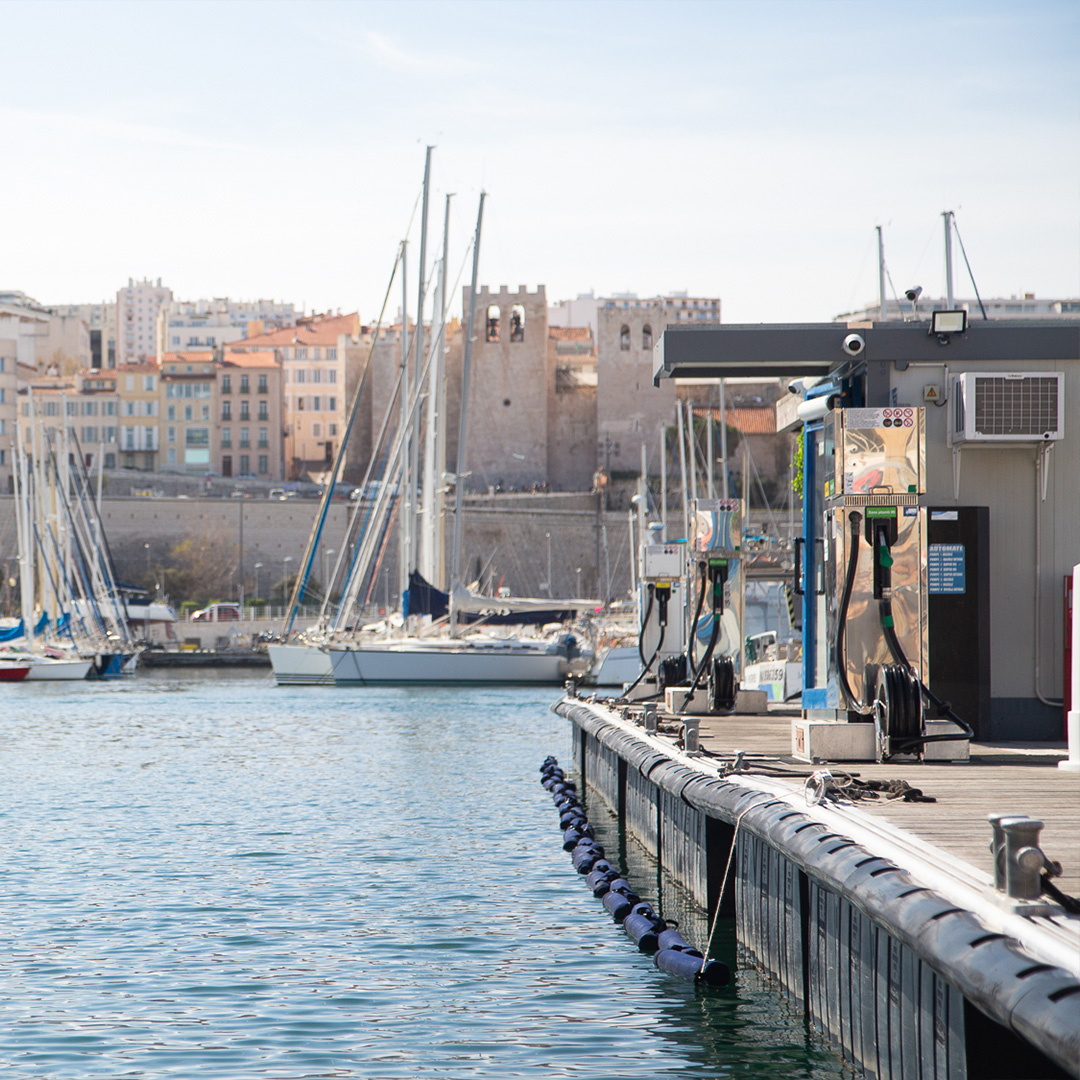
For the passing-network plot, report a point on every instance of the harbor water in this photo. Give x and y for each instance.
(206, 875)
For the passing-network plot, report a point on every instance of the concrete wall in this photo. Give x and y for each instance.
(1004, 478)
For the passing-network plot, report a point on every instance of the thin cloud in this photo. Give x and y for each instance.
(106, 127)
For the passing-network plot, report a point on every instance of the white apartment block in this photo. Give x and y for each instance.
(1027, 306)
(137, 309)
(100, 321)
(679, 307)
(209, 324)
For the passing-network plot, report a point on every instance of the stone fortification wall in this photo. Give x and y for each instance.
(506, 536)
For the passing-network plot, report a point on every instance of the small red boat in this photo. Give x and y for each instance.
(13, 670)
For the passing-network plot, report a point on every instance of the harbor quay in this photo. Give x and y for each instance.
(868, 894)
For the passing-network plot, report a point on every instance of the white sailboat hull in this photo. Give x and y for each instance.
(300, 665)
(46, 668)
(449, 662)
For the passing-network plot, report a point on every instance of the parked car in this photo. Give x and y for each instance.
(217, 613)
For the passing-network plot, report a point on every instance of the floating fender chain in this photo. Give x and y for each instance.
(642, 925)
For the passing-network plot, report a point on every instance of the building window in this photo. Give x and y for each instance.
(316, 429)
(646, 337)
(226, 410)
(331, 429)
(226, 436)
(517, 323)
(197, 436)
(492, 325)
(170, 412)
(226, 384)
(316, 404)
(264, 464)
(245, 410)
(263, 389)
(624, 338)
(172, 434)
(110, 460)
(245, 464)
(264, 412)
(244, 388)
(300, 404)
(331, 404)
(316, 375)
(331, 354)
(188, 414)
(245, 438)
(148, 383)
(264, 437)
(300, 375)
(301, 354)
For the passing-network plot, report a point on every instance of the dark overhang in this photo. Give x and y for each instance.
(792, 350)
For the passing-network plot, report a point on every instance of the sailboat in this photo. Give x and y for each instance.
(434, 647)
(63, 568)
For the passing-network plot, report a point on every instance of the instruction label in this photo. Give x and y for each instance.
(946, 568)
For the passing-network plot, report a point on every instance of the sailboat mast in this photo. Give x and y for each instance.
(459, 469)
(412, 472)
(948, 216)
(403, 529)
(431, 561)
(881, 274)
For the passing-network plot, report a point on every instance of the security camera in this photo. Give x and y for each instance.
(913, 294)
(854, 344)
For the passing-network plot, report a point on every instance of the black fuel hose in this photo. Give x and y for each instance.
(944, 708)
(718, 610)
(693, 625)
(644, 625)
(646, 665)
(855, 519)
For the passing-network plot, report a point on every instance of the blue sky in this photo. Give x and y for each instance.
(745, 150)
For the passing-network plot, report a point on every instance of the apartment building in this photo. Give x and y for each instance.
(137, 308)
(138, 390)
(189, 394)
(312, 356)
(208, 324)
(250, 429)
(97, 420)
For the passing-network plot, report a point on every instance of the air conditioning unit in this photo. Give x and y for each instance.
(989, 407)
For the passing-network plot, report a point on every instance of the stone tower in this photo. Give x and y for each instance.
(507, 441)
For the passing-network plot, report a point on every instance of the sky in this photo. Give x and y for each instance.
(740, 150)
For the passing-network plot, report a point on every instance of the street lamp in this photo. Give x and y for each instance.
(578, 582)
(285, 590)
(258, 567)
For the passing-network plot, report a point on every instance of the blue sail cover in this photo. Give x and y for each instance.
(424, 599)
(42, 623)
(63, 623)
(16, 631)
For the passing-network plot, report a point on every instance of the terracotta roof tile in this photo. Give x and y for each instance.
(253, 359)
(570, 333)
(760, 420)
(308, 332)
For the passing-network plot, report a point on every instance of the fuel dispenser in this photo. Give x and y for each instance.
(714, 582)
(661, 620)
(865, 576)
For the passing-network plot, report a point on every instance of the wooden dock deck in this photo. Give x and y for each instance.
(999, 778)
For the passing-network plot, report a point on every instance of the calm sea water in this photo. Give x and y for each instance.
(209, 876)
